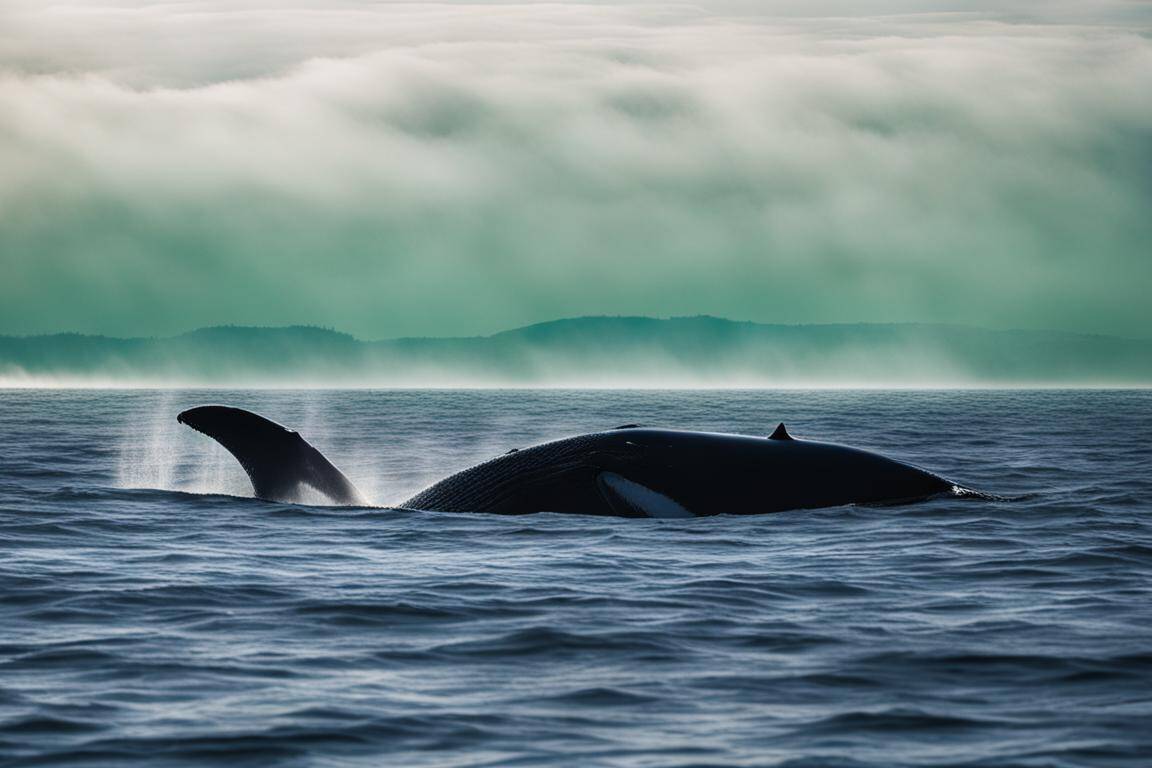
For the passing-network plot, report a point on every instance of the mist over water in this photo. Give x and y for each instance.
(153, 614)
(600, 352)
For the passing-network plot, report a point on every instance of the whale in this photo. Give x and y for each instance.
(626, 471)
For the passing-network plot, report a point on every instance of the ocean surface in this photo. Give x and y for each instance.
(152, 613)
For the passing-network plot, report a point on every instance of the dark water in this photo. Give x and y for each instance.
(144, 624)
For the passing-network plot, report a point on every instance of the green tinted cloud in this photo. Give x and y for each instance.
(458, 170)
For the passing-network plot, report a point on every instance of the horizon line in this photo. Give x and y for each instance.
(574, 318)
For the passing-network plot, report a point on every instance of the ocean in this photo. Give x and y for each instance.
(153, 613)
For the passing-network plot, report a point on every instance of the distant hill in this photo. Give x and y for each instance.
(589, 351)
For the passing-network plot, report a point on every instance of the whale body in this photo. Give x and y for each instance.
(628, 471)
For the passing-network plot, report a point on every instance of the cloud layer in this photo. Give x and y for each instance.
(397, 169)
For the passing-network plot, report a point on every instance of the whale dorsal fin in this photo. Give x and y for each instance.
(780, 433)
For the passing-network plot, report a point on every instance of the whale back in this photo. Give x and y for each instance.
(672, 473)
(557, 476)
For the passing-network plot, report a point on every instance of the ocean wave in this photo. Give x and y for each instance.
(181, 622)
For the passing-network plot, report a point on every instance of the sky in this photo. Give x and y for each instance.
(408, 168)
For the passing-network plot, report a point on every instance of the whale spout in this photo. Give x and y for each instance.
(278, 460)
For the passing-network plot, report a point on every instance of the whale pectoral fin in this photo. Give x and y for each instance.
(277, 460)
(632, 499)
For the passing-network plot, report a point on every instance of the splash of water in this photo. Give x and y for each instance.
(156, 453)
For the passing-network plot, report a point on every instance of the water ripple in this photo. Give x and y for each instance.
(151, 613)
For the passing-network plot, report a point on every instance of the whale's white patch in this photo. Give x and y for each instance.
(642, 498)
